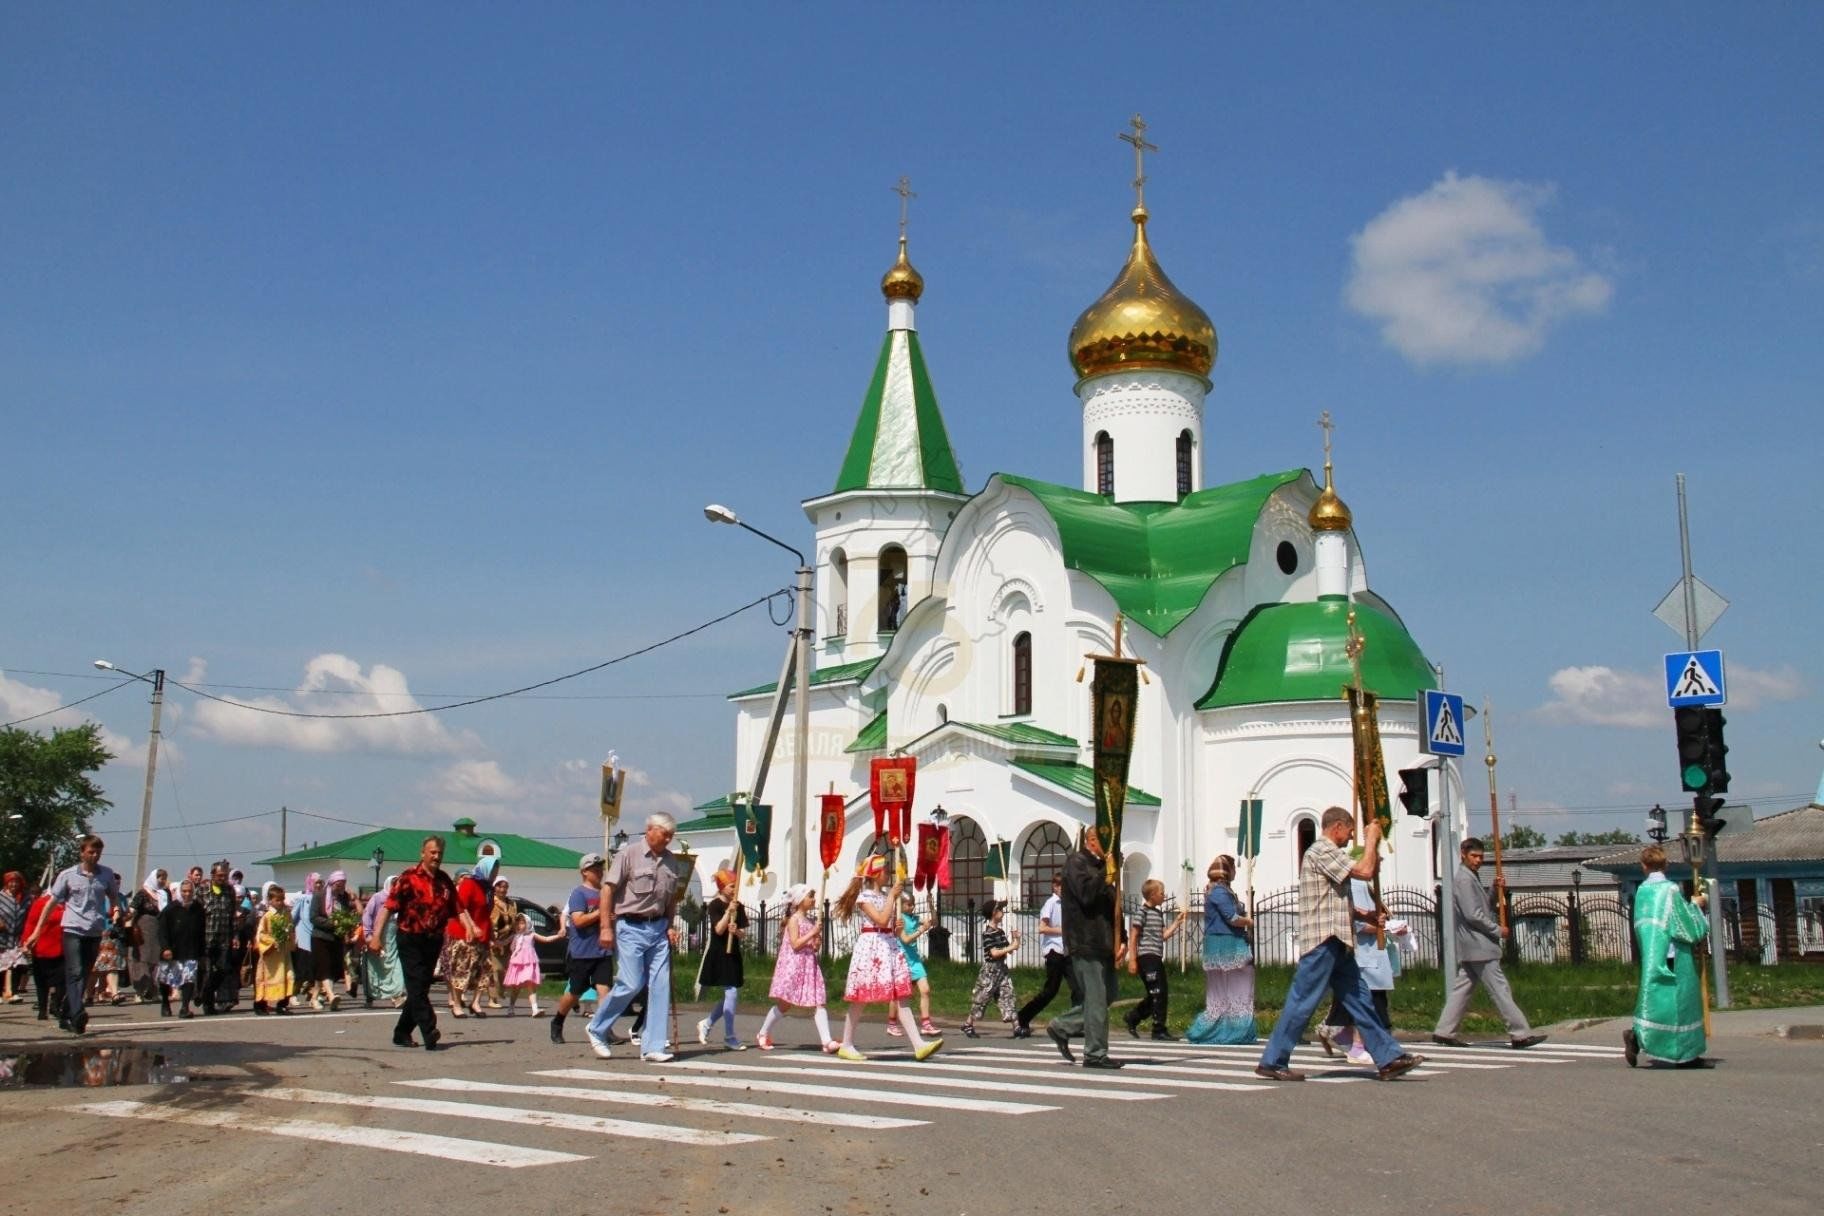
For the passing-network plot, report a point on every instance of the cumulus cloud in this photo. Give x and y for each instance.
(475, 781)
(21, 700)
(1608, 696)
(1463, 273)
(379, 689)
(559, 802)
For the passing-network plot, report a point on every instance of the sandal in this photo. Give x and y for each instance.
(968, 1030)
(893, 1028)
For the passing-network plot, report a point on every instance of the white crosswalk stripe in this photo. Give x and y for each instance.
(796, 1089)
(923, 1076)
(708, 1106)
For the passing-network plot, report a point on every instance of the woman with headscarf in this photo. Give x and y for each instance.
(13, 960)
(503, 920)
(303, 966)
(331, 910)
(467, 936)
(144, 935)
(181, 929)
(381, 978)
(1228, 964)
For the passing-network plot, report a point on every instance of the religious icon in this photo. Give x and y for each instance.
(1116, 724)
(893, 785)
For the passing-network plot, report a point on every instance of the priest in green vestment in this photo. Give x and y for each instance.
(1669, 1013)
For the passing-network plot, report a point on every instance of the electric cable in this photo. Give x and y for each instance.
(72, 705)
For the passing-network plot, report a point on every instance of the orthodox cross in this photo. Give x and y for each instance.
(1323, 420)
(1141, 148)
(904, 190)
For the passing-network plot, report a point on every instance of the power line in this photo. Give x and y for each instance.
(72, 705)
(196, 690)
(362, 692)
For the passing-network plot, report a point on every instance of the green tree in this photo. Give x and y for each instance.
(1522, 837)
(1613, 836)
(46, 796)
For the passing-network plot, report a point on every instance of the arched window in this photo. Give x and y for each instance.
(1184, 462)
(968, 851)
(1105, 463)
(839, 594)
(892, 588)
(1022, 673)
(1041, 856)
(1307, 836)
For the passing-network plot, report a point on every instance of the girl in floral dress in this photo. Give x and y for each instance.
(797, 975)
(877, 966)
(521, 976)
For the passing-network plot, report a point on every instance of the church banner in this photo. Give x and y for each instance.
(1113, 694)
(890, 784)
(614, 784)
(754, 832)
(933, 844)
(1370, 765)
(1248, 845)
(944, 877)
(829, 840)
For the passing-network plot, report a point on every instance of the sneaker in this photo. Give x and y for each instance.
(848, 1053)
(735, 1045)
(598, 1044)
(931, 1048)
(657, 1057)
(703, 1031)
(969, 1031)
(763, 1042)
(557, 1031)
(1360, 1059)
(927, 1027)
(894, 1029)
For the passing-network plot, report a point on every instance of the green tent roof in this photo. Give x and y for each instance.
(1157, 559)
(1080, 780)
(872, 737)
(899, 440)
(1294, 652)
(840, 674)
(401, 847)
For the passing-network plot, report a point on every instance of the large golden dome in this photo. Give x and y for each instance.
(902, 282)
(1143, 321)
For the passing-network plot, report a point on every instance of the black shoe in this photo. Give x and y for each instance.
(1103, 1062)
(1449, 1040)
(1699, 1062)
(1162, 1035)
(969, 1030)
(43, 1016)
(1531, 1040)
(1133, 1028)
(1399, 1064)
(81, 1024)
(186, 1013)
(261, 1008)
(164, 1011)
(1630, 1047)
(1022, 1032)
(1062, 1041)
(404, 1040)
(557, 1031)
(1277, 1074)
(431, 1039)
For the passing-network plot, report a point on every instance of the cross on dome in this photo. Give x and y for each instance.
(1138, 138)
(904, 190)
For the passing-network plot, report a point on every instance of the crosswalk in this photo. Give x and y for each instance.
(721, 1100)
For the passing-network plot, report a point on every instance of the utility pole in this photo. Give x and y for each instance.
(1718, 947)
(801, 729)
(145, 806)
(282, 813)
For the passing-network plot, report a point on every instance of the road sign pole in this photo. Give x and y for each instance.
(1684, 549)
(1447, 904)
(1719, 962)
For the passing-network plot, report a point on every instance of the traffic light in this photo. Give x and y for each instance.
(1692, 724)
(1714, 764)
(1709, 809)
(1415, 790)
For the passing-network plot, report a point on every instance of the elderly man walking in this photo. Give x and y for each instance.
(639, 897)
(1326, 953)
(1479, 937)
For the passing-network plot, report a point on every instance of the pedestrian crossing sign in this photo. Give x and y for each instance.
(1443, 733)
(1695, 677)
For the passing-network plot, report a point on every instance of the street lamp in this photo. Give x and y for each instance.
(157, 681)
(620, 841)
(800, 661)
(377, 860)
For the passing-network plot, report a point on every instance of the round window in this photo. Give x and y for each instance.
(1288, 558)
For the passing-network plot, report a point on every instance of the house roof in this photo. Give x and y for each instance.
(842, 673)
(1795, 836)
(1157, 559)
(1296, 652)
(460, 849)
(1553, 866)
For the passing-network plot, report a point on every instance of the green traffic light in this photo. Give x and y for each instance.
(1695, 776)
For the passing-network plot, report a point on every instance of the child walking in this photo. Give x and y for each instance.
(877, 964)
(721, 968)
(994, 983)
(521, 975)
(272, 975)
(1147, 956)
(911, 928)
(797, 975)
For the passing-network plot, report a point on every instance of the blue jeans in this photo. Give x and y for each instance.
(1329, 969)
(79, 955)
(642, 962)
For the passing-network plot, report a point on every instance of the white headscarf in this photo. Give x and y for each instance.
(162, 895)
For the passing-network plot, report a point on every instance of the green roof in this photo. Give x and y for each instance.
(1021, 732)
(1157, 559)
(401, 846)
(1080, 780)
(872, 737)
(899, 440)
(1295, 652)
(718, 813)
(842, 673)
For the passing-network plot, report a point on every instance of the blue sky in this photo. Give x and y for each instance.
(420, 338)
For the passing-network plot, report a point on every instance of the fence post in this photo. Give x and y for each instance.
(1510, 952)
(970, 907)
(760, 942)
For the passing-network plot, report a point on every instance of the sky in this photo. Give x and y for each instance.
(358, 360)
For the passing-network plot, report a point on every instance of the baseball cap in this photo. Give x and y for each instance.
(591, 860)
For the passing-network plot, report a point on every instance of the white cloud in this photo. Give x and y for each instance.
(1607, 696)
(1462, 273)
(380, 689)
(21, 700)
(472, 781)
(560, 802)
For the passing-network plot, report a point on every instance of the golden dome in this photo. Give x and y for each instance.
(1329, 513)
(902, 282)
(1142, 321)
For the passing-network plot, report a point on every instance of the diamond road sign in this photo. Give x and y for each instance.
(1443, 733)
(1695, 677)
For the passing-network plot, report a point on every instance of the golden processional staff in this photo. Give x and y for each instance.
(1369, 787)
(1494, 810)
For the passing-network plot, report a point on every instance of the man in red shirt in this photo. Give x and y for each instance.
(466, 972)
(423, 900)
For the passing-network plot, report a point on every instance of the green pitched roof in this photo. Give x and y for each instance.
(401, 847)
(840, 674)
(872, 737)
(1295, 652)
(1080, 780)
(1021, 732)
(899, 440)
(1157, 559)
(718, 813)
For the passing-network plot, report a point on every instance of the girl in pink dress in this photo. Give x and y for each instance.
(877, 966)
(522, 967)
(797, 975)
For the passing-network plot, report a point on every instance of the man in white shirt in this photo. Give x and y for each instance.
(1057, 961)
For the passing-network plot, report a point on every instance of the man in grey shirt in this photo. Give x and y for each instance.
(639, 897)
(88, 891)
(1479, 937)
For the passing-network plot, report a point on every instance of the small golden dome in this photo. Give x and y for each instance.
(1142, 321)
(902, 282)
(1329, 513)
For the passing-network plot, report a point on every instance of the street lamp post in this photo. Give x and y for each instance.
(157, 681)
(377, 860)
(801, 663)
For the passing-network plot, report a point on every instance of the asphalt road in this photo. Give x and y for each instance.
(318, 1113)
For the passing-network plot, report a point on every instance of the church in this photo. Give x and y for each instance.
(951, 625)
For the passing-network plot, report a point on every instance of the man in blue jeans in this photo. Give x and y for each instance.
(1326, 953)
(87, 891)
(639, 898)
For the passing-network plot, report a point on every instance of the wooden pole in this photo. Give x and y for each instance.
(1494, 809)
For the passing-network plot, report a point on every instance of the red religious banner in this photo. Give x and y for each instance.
(830, 842)
(890, 783)
(933, 852)
(943, 861)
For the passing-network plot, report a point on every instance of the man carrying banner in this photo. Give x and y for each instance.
(1088, 902)
(1326, 953)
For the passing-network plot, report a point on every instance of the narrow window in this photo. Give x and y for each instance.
(839, 593)
(1184, 462)
(1307, 836)
(1022, 674)
(1105, 463)
(891, 588)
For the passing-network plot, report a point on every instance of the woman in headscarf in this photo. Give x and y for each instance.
(381, 977)
(303, 966)
(503, 917)
(1228, 964)
(181, 928)
(13, 960)
(331, 910)
(143, 933)
(467, 937)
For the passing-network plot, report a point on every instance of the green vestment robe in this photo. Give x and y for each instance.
(1669, 1014)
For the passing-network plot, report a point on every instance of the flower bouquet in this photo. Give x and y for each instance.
(278, 928)
(345, 923)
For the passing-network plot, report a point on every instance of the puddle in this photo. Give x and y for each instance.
(86, 1068)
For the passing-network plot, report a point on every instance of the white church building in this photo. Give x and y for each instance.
(952, 625)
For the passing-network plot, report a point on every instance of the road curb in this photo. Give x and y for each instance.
(1806, 1030)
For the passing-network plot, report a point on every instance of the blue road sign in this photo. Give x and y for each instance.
(1695, 677)
(1443, 733)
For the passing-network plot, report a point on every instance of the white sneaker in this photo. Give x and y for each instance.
(597, 1044)
(657, 1057)
(703, 1031)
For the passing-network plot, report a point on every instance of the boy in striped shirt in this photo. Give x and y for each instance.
(1147, 956)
